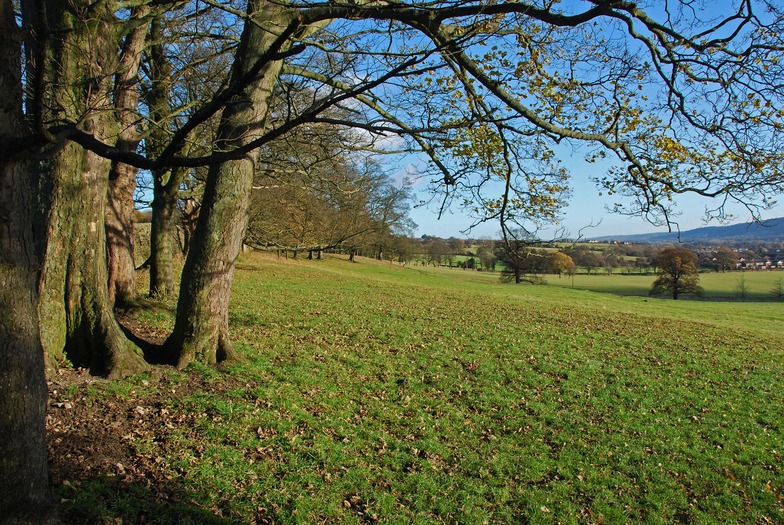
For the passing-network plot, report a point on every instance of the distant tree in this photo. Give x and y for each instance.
(777, 290)
(651, 253)
(457, 245)
(611, 260)
(725, 259)
(519, 257)
(486, 254)
(559, 262)
(590, 261)
(742, 288)
(312, 195)
(628, 266)
(642, 262)
(678, 273)
(403, 248)
(437, 251)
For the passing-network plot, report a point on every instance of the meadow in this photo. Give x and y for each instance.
(718, 286)
(373, 393)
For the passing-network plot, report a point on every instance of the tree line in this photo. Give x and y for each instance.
(542, 257)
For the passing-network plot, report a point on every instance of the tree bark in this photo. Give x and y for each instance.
(122, 177)
(24, 483)
(162, 234)
(75, 312)
(201, 330)
(119, 234)
(190, 216)
(166, 183)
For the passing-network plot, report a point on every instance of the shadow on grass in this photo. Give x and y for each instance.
(104, 500)
(148, 304)
(108, 464)
(154, 351)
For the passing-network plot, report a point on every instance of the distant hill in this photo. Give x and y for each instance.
(771, 230)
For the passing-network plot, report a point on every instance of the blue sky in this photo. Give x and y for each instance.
(585, 206)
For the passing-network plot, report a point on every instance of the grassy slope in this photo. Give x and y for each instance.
(628, 293)
(378, 393)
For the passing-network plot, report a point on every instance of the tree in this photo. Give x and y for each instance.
(559, 262)
(403, 248)
(24, 484)
(182, 70)
(70, 83)
(742, 287)
(777, 290)
(201, 329)
(165, 181)
(437, 251)
(725, 259)
(456, 244)
(122, 177)
(520, 259)
(678, 274)
(611, 260)
(589, 260)
(486, 252)
(317, 192)
(642, 262)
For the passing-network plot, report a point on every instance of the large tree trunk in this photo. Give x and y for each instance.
(122, 177)
(24, 482)
(166, 182)
(119, 234)
(201, 330)
(76, 315)
(163, 231)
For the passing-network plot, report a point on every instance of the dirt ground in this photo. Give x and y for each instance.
(117, 442)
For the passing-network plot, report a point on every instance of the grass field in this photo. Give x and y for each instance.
(718, 286)
(375, 393)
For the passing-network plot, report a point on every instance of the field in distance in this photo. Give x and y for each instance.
(373, 393)
(719, 286)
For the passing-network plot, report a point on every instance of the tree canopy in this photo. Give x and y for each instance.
(678, 273)
(682, 98)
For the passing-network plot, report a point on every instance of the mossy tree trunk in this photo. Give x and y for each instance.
(76, 315)
(122, 177)
(119, 234)
(201, 330)
(24, 483)
(163, 231)
(166, 182)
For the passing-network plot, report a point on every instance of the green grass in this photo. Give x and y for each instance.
(375, 393)
(718, 286)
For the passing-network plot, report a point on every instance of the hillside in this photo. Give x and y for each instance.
(771, 230)
(372, 393)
